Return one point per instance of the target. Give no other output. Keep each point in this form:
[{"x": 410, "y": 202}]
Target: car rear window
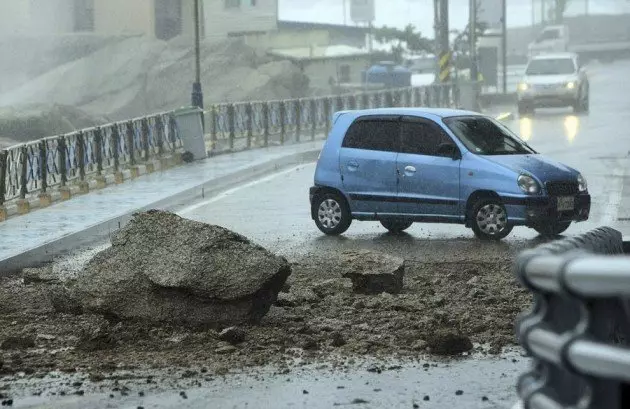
[{"x": 374, "y": 135}]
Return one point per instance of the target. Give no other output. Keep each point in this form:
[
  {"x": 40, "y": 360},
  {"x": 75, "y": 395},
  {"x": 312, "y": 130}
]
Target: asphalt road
[{"x": 274, "y": 211}]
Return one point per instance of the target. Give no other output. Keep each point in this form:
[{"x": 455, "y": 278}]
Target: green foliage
[{"x": 405, "y": 40}]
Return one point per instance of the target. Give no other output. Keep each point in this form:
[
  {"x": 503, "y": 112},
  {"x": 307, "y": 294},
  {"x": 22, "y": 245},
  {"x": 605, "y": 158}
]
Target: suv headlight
[
  {"x": 571, "y": 84},
  {"x": 582, "y": 185},
  {"x": 523, "y": 86},
  {"x": 528, "y": 184}
]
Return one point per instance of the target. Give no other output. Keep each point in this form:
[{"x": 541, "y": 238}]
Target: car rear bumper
[{"x": 532, "y": 211}]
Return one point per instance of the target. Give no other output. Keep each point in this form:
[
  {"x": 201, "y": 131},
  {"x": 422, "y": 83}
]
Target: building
[{"x": 162, "y": 19}]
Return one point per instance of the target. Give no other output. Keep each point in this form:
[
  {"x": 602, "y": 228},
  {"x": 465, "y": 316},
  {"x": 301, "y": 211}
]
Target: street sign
[
  {"x": 362, "y": 11},
  {"x": 490, "y": 12}
]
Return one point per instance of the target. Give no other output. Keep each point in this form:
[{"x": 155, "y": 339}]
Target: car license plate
[{"x": 566, "y": 203}]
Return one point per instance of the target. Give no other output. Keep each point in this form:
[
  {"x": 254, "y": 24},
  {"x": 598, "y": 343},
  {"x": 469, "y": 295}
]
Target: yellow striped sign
[{"x": 445, "y": 67}]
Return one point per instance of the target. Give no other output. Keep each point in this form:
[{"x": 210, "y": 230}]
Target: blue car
[{"x": 404, "y": 165}]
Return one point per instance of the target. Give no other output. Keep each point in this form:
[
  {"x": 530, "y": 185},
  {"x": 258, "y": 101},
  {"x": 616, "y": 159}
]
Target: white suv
[{"x": 554, "y": 80}]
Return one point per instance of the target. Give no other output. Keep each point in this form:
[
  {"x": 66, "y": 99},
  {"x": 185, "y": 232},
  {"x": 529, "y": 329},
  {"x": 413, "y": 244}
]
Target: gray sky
[{"x": 420, "y": 12}]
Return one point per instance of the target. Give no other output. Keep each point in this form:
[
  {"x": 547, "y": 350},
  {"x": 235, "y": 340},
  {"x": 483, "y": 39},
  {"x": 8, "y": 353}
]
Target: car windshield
[
  {"x": 551, "y": 66},
  {"x": 485, "y": 136}
]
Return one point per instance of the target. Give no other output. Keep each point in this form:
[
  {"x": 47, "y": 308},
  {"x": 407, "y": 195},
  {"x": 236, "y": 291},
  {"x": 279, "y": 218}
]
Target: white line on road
[
  {"x": 611, "y": 209},
  {"x": 227, "y": 193}
]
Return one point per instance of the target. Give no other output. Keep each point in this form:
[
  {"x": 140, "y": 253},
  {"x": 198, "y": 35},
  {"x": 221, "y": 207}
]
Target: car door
[
  {"x": 367, "y": 159},
  {"x": 428, "y": 167}
]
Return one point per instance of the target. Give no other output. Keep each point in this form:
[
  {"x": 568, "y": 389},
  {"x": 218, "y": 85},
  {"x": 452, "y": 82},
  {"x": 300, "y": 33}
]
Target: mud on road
[{"x": 444, "y": 306}]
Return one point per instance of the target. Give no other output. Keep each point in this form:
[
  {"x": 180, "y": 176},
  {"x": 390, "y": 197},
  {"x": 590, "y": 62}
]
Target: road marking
[
  {"x": 615, "y": 194},
  {"x": 227, "y": 193}
]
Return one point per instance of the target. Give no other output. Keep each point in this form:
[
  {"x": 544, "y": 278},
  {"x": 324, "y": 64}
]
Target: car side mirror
[{"x": 449, "y": 150}]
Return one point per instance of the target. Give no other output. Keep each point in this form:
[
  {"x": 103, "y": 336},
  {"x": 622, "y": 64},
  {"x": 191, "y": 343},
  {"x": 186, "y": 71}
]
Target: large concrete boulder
[{"x": 164, "y": 268}]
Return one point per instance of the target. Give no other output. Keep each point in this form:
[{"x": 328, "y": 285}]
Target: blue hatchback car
[{"x": 405, "y": 165}]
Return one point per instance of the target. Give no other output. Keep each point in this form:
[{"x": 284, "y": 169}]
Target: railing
[
  {"x": 34, "y": 167},
  {"x": 262, "y": 124},
  {"x": 578, "y": 331}
]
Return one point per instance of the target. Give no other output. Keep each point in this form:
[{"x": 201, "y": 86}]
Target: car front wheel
[
  {"x": 332, "y": 214},
  {"x": 396, "y": 226},
  {"x": 582, "y": 105},
  {"x": 489, "y": 220}
]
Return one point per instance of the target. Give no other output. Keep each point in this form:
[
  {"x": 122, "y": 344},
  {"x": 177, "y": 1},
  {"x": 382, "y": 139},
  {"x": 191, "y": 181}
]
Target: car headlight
[
  {"x": 570, "y": 84},
  {"x": 528, "y": 184},
  {"x": 523, "y": 86},
  {"x": 582, "y": 185}
]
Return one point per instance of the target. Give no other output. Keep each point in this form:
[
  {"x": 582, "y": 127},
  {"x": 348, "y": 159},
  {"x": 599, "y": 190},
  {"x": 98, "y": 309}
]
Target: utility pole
[
  {"x": 543, "y": 12},
  {"x": 444, "y": 55},
  {"x": 472, "y": 31},
  {"x": 197, "y": 93},
  {"x": 504, "y": 46}
]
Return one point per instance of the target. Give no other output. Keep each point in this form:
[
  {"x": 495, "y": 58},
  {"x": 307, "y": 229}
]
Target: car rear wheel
[
  {"x": 489, "y": 220},
  {"x": 552, "y": 229},
  {"x": 396, "y": 226},
  {"x": 332, "y": 214}
]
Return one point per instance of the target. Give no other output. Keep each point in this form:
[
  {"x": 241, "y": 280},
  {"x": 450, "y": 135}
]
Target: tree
[{"x": 408, "y": 40}]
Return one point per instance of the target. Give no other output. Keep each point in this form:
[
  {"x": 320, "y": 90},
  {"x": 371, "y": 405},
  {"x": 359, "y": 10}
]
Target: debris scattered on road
[{"x": 373, "y": 272}]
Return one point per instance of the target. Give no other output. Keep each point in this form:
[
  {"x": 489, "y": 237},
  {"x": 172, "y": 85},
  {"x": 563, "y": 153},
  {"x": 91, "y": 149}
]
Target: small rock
[
  {"x": 226, "y": 349},
  {"x": 309, "y": 343},
  {"x": 459, "y": 392},
  {"x": 358, "y": 401},
  {"x": 374, "y": 369},
  {"x": 14, "y": 343},
  {"x": 415, "y": 406},
  {"x": 8, "y": 402},
  {"x": 448, "y": 342},
  {"x": 296, "y": 298},
  {"x": 484, "y": 398},
  {"x": 233, "y": 335},
  {"x": 419, "y": 345},
  {"x": 426, "y": 398},
  {"x": 183, "y": 395},
  {"x": 372, "y": 272},
  {"x": 39, "y": 275},
  {"x": 305, "y": 392},
  {"x": 473, "y": 280},
  {"x": 338, "y": 339}
]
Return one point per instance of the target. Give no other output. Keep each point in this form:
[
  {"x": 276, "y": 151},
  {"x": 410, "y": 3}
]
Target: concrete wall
[
  {"x": 287, "y": 39},
  {"x": 14, "y": 17},
  {"x": 51, "y": 16},
  {"x": 320, "y": 71},
  {"x": 219, "y": 20},
  {"x": 124, "y": 17}
]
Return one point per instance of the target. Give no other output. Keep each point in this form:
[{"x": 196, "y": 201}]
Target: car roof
[
  {"x": 555, "y": 56},
  {"x": 420, "y": 112}
]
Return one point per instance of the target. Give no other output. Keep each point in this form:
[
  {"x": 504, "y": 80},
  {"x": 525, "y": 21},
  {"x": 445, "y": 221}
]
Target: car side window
[
  {"x": 374, "y": 135},
  {"x": 421, "y": 138}
]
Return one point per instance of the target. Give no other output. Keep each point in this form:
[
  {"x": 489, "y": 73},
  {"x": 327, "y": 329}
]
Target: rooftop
[
  {"x": 554, "y": 56},
  {"x": 416, "y": 111}
]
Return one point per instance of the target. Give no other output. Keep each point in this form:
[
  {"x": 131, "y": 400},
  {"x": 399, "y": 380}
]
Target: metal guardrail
[
  {"x": 34, "y": 167},
  {"x": 261, "y": 124},
  {"x": 578, "y": 330}
]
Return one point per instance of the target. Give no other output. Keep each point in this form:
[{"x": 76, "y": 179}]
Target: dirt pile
[
  {"x": 163, "y": 268},
  {"x": 134, "y": 76},
  {"x": 444, "y": 308}
]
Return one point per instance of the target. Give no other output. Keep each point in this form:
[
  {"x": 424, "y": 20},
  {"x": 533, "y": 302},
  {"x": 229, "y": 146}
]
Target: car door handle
[
  {"x": 353, "y": 165},
  {"x": 410, "y": 169}
]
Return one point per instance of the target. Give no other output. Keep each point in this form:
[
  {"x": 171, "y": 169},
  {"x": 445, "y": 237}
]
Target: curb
[{"x": 46, "y": 253}]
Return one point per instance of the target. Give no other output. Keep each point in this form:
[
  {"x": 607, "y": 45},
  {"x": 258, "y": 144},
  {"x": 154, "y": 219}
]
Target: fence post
[
  {"x": 231, "y": 125},
  {"x": 365, "y": 101},
  {"x": 81, "y": 153},
  {"x": 23, "y": 172},
  {"x": 130, "y": 143},
  {"x": 389, "y": 99},
  {"x": 116, "y": 147},
  {"x": 98, "y": 140},
  {"x": 283, "y": 128},
  {"x": 339, "y": 103},
  {"x": 298, "y": 117},
  {"x": 327, "y": 104},
  {"x": 265, "y": 110},
  {"x": 3, "y": 175},
  {"x": 313, "y": 107},
  {"x": 214, "y": 127},
  {"x": 43, "y": 166},
  {"x": 172, "y": 126},
  {"x": 63, "y": 159},
  {"x": 249, "y": 113},
  {"x": 352, "y": 101},
  {"x": 159, "y": 124},
  {"x": 145, "y": 138}
]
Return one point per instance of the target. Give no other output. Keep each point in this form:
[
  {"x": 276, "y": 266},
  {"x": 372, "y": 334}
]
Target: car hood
[
  {"x": 543, "y": 169},
  {"x": 548, "y": 79}
]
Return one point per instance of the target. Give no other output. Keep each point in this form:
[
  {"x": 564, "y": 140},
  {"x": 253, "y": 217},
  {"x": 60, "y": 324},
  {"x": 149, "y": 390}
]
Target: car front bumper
[
  {"x": 548, "y": 96},
  {"x": 534, "y": 211}
]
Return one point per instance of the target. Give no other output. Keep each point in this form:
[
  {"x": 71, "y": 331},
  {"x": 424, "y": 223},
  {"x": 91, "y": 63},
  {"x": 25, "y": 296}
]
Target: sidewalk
[{"x": 32, "y": 230}]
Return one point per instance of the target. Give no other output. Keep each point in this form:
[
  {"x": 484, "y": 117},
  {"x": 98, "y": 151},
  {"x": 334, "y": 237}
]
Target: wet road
[{"x": 274, "y": 211}]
